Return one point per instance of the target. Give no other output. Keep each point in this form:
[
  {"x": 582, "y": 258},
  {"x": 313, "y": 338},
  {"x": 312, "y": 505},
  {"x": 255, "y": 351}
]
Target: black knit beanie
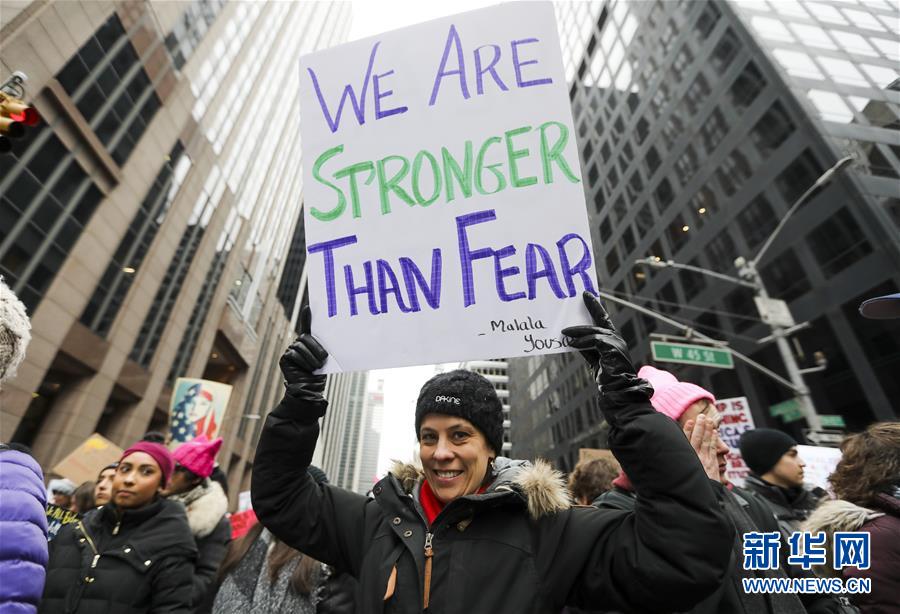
[
  {"x": 467, "y": 395},
  {"x": 762, "y": 448}
]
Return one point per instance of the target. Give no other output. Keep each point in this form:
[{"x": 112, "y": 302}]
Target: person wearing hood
[
  {"x": 472, "y": 531},
  {"x": 776, "y": 475},
  {"x": 206, "y": 506},
  {"x": 23, "y": 547},
  {"x": 693, "y": 408},
  {"x": 867, "y": 484},
  {"x": 135, "y": 554}
]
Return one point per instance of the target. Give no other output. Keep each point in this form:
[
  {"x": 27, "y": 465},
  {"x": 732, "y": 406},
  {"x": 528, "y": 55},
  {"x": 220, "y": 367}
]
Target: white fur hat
[{"x": 15, "y": 332}]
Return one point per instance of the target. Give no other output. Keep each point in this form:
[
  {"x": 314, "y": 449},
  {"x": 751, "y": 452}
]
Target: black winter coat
[
  {"x": 790, "y": 506},
  {"x": 139, "y": 563},
  {"x": 729, "y": 597},
  {"x": 517, "y": 548}
]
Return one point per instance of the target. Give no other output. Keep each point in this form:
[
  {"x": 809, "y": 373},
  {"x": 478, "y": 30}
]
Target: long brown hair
[
  {"x": 869, "y": 465},
  {"x": 304, "y": 577}
]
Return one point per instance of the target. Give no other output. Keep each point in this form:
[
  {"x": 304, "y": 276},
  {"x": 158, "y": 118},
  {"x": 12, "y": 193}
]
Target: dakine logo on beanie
[{"x": 467, "y": 395}]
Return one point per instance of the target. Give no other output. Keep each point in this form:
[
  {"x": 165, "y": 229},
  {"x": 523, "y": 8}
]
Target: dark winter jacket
[
  {"x": 206, "y": 506},
  {"x": 247, "y": 588},
  {"x": 136, "y": 561},
  {"x": 746, "y": 511},
  {"x": 791, "y": 506},
  {"x": 23, "y": 532},
  {"x": 517, "y": 548},
  {"x": 882, "y": 521}
]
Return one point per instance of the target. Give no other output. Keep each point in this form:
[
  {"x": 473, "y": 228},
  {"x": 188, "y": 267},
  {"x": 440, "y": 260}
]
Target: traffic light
[{"x": 15, "y": 117}]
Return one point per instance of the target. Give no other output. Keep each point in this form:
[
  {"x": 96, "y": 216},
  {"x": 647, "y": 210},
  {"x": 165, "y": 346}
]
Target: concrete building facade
[
  {"x": 699, "y": 125},
  {"x": 152, "y": 223},
  {"x": 495, "y": 371}
]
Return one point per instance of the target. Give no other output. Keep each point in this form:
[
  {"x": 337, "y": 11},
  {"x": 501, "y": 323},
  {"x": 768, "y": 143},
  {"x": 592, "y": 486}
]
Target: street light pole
[{"x": 750, "y": 277}]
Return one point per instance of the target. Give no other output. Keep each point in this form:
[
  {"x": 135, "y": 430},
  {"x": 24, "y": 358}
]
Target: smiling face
[
  {"x": 103, "y": 489},
  {"x": 137, "y": 481},
  {"x": 455, "y": 456}
]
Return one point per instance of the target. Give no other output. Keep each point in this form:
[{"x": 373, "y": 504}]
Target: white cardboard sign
[
  {"x": 820, "y": 463},
  {"x": 444, "y": 207},
  {"x": 736, "y": 419}
]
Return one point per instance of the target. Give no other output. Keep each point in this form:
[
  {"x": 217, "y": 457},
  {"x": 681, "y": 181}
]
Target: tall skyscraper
[
  {"x": 343, "y": 428},
  {"x": 152, "y": 224},
  {"x": 699, "y": 125},
  {"x": 366, "y": 473},
  {"x": 494, "y": 370}
]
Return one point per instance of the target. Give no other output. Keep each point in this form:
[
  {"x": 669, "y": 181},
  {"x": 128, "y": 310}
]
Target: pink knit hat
[
  {"x": 671, "y": 397},
  {"x": 198, "y": 455},
  {"x": 158, "y": 452}
]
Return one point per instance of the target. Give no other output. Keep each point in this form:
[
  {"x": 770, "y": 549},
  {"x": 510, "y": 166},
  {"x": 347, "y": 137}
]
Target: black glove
[
  {"x": 298, "y": 362},
  {"x": 607, "y": 355}
]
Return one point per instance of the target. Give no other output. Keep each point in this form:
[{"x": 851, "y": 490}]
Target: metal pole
[{"x": 804, "y": 398}]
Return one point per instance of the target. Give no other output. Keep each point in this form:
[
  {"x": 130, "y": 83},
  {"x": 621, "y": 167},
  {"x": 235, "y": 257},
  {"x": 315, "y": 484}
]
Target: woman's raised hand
[{"x": 300, "y": 360}]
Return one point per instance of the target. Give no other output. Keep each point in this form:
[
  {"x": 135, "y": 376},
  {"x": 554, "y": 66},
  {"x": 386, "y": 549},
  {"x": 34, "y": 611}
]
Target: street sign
[
  {"x": 774, "y": 312},
  {"x": 788, "y": 411},
  {"x": 832, "y": 439},
  {"x": 700, "y": 355},
  {"x": 833, "y": 421}
]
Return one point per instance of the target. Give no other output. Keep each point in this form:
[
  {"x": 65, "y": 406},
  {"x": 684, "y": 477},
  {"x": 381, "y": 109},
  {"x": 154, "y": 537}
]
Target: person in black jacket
[
  {"x": 134, "y": 555},
  {"x": 690, "y": 405},
  {"x": 206, "y": 506},
  {"x": 776, "y": 475},
  {"x": 475, "y": 532}
]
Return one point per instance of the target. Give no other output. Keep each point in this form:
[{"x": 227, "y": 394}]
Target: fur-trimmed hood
[
  {"x": 540, "y": 486},
  {"x": 205, "y": 505},
  {"x": 833, "y": 516}
]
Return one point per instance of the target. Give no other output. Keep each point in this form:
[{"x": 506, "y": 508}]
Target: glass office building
[
  {"x": 700, "y": 123},
  {"x": 151, "y": 223}
]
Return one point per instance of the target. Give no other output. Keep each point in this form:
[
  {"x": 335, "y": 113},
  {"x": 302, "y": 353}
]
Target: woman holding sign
[{"x": 475, "y": 532}]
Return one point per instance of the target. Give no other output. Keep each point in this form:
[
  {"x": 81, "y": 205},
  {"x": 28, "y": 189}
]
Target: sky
[{"x": 401, "y": 386}]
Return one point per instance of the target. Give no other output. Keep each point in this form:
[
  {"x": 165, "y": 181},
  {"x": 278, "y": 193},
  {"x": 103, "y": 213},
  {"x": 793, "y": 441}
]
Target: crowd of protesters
[{"x": 653, "y": 525}]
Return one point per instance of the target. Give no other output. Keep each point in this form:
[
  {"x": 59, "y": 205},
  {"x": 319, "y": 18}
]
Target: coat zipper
[
  {"x": 115, "y": 530},
  {"x": 87, "y": 536},
  {"x": 429, "y": 553}
]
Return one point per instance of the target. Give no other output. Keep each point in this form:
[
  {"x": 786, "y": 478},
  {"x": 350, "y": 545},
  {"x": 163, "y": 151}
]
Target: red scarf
[
  {"x": 623, "y": 482},
  {"x": 431, "y": 504}
]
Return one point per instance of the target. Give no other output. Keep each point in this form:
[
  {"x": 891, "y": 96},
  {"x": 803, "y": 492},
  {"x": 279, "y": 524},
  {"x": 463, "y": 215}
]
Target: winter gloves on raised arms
[
  {"x": 298, "y": 362},
  {"x": 607, "y": 355}
]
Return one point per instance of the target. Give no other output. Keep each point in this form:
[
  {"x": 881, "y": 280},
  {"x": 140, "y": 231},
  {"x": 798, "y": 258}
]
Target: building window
[
  {"x": 682, "y": 62},
  {"x": 692, "y": 282},
  {"x": 773, "y": 129},
  {"x": 757, "y": 221},
  {"x": 108, "y": 84},
  {"x": 668, "y": 299},
  {"x": 664, "y": 195},
  {"x": 190, "y": 29},
  {"x": 739, "y": 302},
  {"x": 785, "y": 278},
  {"x": 704, "y": 204},
  {"x": 798, "y": 177},
  {"x": 725, "y": 51},
  {"x": 746, "y": 87},
  {"x": 628, "y": 241},
  {"x": 707, "y": 20},
  {"x": 599, "y": 200},
  {"x": 612, "y": 260},
  {"x": 642, "y": 129},
  {"x": 721, "y": 252},
  {"x": 635, "y": 186},
  {"x": 733, "y": 172},
  {"x": 605, "y": 229},
  {"x": 678, "y": 233},
  {"x": 687, "y": 165},
  {"x": 713, "y": 131},
  {"x": 620, "y": 209},
  {"x": 110, "y": 292},
  {"x": 696, "y": 94},
  {"x": 47, "y": 200},
  {"x": 652, "y": 160},
  {"x": 838, "y": 242},
  {"x": 644, "y": 220}
]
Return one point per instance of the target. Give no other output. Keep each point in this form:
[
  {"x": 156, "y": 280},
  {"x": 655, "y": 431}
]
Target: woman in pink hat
[
  {"x": 134, "y": 554},
  {"x": 206, "y": 504}
]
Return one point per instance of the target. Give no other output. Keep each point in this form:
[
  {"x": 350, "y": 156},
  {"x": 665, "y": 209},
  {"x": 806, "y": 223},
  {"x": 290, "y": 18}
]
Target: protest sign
[
  {"x": 820, "y": 463},
  {"x": 56, "y": 518},
  {"x": 241, "y": 522},
  {"x": 444, "y": 207},
  {"x": 197, "y": 408},
  {"x": 85, "y": 462},
  {"x": 736, "y": 419}
]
